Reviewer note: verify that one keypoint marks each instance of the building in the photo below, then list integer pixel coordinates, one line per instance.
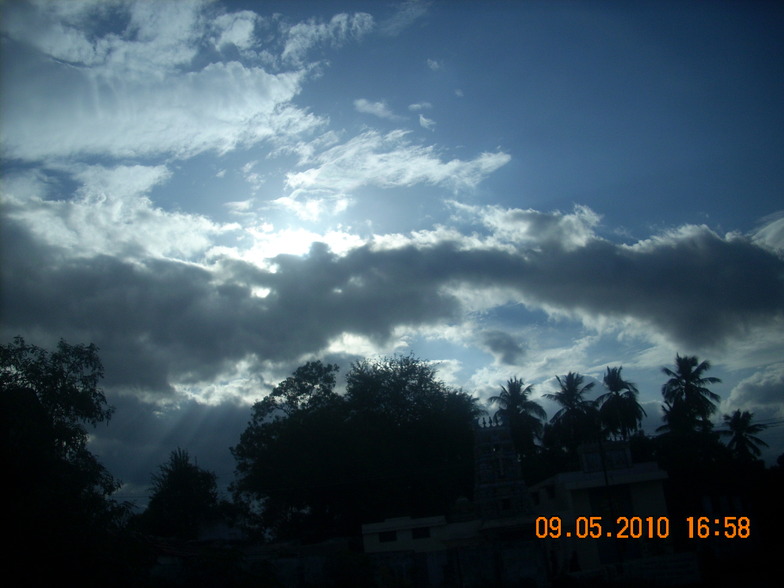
(489, 541)
(610, 486)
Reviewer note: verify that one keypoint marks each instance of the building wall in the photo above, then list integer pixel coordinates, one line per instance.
(628, 490)
(404, 534)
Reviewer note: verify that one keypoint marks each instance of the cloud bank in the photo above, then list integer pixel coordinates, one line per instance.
(190, 321)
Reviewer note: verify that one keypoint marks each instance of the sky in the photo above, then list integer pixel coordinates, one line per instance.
(216, 192)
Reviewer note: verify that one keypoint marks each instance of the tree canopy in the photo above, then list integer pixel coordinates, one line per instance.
(184, 498)
(525, 416)
(577, 419)
(61, 494)
(689, 402)
(743, 441)
(397, 442)
(619, 410)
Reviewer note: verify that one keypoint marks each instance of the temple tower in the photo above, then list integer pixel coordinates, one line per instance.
(499, 489)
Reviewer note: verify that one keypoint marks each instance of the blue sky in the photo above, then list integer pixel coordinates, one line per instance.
(216, 192)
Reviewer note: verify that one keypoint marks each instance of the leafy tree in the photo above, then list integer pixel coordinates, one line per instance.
(696, 462)
(403, 389)
(743, 440)
(524, 415)
(676, 419)
(310, 387)
(65, 385)
(184, 498)
(398, 442)
(287, 448)
(61, 494)
(688, 401)
(619, 410)
(577, 420)
(420, 433)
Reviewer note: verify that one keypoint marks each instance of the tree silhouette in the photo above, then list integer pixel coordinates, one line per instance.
(61, 494)
(743, 440)
(399, 442)
(688, 401)
(184, 498)
(619, 410)
(577, 420)
(310, 387)
(290, 442)
(524, 415)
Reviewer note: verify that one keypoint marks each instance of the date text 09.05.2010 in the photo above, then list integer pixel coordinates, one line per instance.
(642, 527)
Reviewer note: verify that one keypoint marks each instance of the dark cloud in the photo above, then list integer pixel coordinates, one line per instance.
(160, 321)
(697, 288)
(505, 347)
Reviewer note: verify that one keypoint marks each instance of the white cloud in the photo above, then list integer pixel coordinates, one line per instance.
(313, 205)
(241, 207)
(405, 15)
(134, 92)
(761, 393)
(236, 29)
(379, 109)
(151, 37)
(532, 228)
(420, 106)
(434, 64)
(302, 37)
(426, 123)
(218, 108)
(771, 233)
(110, 215)
(356, 345)
(254, 179)
(268, 243)
(391, 160)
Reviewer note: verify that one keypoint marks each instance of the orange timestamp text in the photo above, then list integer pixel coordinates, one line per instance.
(641, 528)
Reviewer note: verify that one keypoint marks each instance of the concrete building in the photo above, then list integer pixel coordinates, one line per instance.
(609, 486)
(489, 541)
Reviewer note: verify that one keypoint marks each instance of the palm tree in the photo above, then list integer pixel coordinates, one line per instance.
(686, 391)
(619, 410)
(524, 415)
(743, 443)
(577, 417)
(675, 418)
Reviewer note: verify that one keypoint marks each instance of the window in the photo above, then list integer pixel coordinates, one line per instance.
(420, 532)
(387, 536)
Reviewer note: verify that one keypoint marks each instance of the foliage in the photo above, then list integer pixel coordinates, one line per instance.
(317, 463)
(59, 490)
(619, 411)
(577, 421)
(524, 415)
(64, 383)
(280, 453)
(184, 498)
(743, 440)
(688, 402)
(310, 387)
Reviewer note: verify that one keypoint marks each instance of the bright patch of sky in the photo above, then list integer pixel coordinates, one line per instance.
(215, 192)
